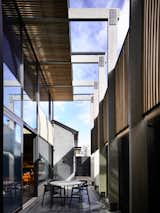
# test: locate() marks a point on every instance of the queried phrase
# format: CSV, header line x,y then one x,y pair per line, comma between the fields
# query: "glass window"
x,y
29,93
12,188
12,91
45,158
44,97
29,108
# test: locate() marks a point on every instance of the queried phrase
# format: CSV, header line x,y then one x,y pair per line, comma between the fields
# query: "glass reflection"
x,y
12,91
29,94
29,110
44,98
12,188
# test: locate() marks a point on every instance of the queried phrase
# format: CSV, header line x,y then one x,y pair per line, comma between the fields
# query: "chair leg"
x,y
88,195
62,200
71,197
51,197
80,194
43,198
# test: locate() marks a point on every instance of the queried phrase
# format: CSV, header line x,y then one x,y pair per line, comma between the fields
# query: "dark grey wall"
x,y
83,166
112,148
123,151
113,173
137,133
153,164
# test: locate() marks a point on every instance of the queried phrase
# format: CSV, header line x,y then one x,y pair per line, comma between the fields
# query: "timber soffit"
x,y
48,28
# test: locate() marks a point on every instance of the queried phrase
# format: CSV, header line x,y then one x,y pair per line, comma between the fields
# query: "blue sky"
x,y
85,37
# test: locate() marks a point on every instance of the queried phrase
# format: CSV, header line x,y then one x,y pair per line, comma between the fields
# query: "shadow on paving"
x,y
76,206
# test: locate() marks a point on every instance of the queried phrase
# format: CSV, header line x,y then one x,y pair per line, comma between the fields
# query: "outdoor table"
x,y
64,184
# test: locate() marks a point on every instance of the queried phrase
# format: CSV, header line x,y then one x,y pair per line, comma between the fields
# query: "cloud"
x,y
101,36
84,36
85,71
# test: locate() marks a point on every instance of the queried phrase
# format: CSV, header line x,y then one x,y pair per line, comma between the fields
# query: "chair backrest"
x,y
47,187
84,184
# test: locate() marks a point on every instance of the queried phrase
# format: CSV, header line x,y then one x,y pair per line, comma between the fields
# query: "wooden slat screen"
x,y
151,55
121,88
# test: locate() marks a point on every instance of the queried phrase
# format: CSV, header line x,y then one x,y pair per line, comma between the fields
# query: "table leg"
x,y
51,197
64,195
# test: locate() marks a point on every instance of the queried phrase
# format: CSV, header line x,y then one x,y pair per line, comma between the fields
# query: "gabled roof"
x,y
75,132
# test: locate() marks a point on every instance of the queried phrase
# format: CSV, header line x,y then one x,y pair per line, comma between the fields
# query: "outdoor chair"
x,y
77,191
84,187
53,190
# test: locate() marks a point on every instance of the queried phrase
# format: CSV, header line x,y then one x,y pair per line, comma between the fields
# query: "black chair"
x,y
77,191
84,187
55,191
47,188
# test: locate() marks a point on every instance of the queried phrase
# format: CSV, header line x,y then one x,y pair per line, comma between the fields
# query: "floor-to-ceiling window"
x,y
12,186
12,91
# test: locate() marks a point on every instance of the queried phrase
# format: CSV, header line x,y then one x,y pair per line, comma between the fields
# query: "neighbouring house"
x,y
65,139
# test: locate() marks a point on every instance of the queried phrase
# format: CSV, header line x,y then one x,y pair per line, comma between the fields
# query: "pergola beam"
x,y
92,14
11,83
82,97
88,14
85,59
83,83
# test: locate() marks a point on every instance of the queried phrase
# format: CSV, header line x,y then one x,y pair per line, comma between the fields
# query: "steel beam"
x,y
53,62
88,53
32,20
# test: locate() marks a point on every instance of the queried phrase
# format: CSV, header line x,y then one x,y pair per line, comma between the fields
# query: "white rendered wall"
x,y
63,141
102,77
